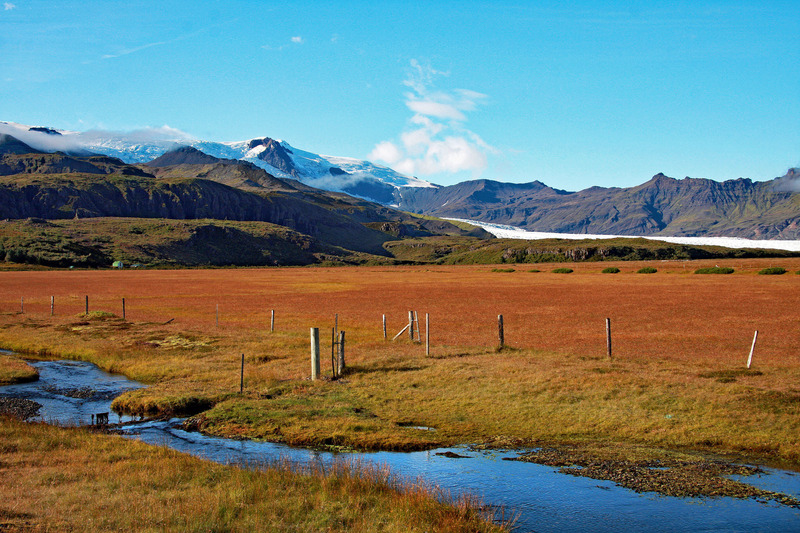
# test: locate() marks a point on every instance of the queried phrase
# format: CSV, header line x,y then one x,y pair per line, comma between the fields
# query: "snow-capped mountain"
x,y
279,158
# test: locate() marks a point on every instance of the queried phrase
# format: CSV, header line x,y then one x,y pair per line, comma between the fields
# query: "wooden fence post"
x,y
411,325
314,353
608,337
241,377
217,316
272,321
500,332
333,352
87,305
123,309
52,305
384,327
427,335
752,348
341,354
22,305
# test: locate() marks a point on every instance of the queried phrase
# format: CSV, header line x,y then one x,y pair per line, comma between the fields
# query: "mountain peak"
x,y
184,155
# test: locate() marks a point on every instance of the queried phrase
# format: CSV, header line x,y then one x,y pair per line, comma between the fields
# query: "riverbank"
x,y
72,479
14,370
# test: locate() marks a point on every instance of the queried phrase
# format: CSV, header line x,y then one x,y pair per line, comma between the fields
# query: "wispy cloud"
x,y
134,50
435,139
179,38
8,6
296,40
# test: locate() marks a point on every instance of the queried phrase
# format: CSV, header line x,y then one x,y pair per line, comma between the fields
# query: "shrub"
x,y
647,270
562,270
714,270
611,270
502,270
772,271
537,270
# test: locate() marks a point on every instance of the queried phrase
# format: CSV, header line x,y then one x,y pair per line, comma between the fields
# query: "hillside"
x,y
661,206
189,185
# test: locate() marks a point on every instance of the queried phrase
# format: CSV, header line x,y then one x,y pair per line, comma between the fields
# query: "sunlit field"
x,y
677,376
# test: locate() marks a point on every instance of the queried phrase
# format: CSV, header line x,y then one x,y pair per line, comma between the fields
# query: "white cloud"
x,y
387,152
8,6
297,40
435,140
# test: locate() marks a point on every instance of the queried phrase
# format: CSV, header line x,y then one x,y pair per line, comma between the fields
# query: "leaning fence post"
x,y
341,354
752,348
500,332
314,353
608,337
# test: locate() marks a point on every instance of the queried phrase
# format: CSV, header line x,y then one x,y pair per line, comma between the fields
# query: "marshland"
x,y
676,389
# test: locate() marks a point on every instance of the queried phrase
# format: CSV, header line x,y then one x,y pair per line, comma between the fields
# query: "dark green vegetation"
x,y
714,270
466,250
661,206
610,270
772,271
562,271
647,270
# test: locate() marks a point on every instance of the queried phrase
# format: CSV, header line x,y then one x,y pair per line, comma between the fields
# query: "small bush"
x,y
562,270
611,270
772,271
714,270
647,270
537,270
502,270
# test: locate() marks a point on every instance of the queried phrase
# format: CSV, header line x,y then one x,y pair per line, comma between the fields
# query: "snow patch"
x,y
512,232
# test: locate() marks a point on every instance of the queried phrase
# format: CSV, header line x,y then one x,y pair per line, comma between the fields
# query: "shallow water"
x,y
544,499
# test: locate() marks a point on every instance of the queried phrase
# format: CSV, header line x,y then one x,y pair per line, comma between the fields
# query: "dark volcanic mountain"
x,y
662,206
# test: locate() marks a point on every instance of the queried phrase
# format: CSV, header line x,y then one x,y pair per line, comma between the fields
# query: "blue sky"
x,y
573,94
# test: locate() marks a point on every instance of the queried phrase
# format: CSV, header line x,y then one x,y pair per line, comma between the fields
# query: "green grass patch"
x,y
503,270
611,270
714,270
647,270
772,271
562,271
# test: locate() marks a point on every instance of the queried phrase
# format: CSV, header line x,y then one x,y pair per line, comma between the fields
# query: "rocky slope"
x,y
661,206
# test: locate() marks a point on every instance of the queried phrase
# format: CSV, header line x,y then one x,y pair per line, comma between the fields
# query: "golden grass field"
x,y
677,378
677,381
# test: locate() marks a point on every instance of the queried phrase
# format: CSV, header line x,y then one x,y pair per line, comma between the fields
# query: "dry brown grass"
x,y
680,341
53,479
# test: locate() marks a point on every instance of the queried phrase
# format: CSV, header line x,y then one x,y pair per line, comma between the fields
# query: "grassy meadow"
x,y
677,379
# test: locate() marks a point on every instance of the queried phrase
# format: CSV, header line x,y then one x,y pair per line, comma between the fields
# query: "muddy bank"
x,y
21,408
683,478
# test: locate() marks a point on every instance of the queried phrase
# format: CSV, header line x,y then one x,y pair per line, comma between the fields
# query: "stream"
x,y
543,499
